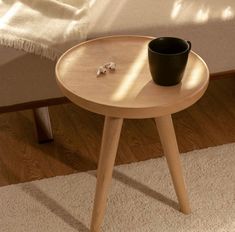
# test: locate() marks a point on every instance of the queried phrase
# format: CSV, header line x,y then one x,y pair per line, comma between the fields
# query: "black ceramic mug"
x,y
167,59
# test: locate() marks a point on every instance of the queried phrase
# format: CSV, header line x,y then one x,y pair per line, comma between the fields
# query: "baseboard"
x,y
222,75
34,104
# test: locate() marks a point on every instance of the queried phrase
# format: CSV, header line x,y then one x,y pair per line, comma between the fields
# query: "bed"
x,y
28,80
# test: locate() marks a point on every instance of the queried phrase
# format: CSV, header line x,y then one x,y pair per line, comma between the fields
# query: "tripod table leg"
x,y
110,140
170,147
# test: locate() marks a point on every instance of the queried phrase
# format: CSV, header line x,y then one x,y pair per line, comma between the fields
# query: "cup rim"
x,y
168,37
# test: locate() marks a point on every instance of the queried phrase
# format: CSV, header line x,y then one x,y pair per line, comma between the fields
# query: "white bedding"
x,y
209,25
46,28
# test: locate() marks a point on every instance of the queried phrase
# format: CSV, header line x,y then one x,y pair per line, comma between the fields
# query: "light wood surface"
x,y
110,140
167,135
128,92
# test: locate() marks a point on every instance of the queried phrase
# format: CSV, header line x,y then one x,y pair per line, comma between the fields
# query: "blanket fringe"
x,y
30,46
34,47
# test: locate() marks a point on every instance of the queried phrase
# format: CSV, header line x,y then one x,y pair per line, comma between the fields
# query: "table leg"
x,y
170,147
43,124
110,139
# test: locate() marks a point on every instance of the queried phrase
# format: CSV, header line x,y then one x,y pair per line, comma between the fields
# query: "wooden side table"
x,y
128,92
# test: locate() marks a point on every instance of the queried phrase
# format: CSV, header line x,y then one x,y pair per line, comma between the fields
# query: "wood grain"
x,y
128,92
169,143
77,136
110,141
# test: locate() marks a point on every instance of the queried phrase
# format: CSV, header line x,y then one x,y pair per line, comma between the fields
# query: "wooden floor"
x,y
77,133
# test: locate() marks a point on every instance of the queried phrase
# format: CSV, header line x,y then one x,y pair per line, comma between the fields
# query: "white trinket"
x,y
101,70
110,66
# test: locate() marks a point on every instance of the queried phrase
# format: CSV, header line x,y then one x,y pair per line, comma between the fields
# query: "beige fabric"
x,y
46,28
142,198
25,77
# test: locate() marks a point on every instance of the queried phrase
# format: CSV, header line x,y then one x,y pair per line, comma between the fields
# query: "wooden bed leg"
x,y
43,124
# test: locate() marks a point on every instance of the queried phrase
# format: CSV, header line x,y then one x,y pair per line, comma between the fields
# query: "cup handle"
x,y
190,45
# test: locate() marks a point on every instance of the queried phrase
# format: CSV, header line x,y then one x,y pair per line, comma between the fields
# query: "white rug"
x,y
142,198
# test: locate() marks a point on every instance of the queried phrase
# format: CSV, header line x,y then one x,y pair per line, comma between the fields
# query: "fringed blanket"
x,y
43,27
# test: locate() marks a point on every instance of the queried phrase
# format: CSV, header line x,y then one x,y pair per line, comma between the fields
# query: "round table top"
x,y
127,92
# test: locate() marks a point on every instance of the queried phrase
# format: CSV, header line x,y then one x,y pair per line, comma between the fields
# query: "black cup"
x,y
167,59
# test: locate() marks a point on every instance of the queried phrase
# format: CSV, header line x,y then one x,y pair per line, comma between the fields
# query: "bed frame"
x,y
39,90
